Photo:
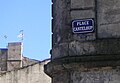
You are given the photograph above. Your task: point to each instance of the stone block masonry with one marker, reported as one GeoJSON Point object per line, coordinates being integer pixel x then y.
{"type": "Point", "coordinates": [64, 12]}
{"type": "Point", "coordinates": [108, 17]}
{"type": "Point", "coordinates": [105, 17]}
{"type": "Point", "coordinates": [14, 58]}
{"type": "Point", "coordinates": [92, 57]}
{"type": "Point", "coordinates": [11, 57]}
{"type": "Point", "coordinates": [11, 71]}
{"type": "Point", "coordinates": [30, 74]}
{"type": "Point", "coordinates": [3, 59]}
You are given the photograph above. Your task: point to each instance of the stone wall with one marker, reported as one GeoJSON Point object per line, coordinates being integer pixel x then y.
{"type": "Point", "coordinates": [27, 61]}
{"type": "Point", "coordinates": [84, 72]}
{"type": "Point", "coordinates": [96, 75]}
{"type": "Point", "coordinates": [3, 59]}
{"type": "Point", "coordinates": [108, 17]}
{"type": "Point", "coordinates": [90, 57]}
{"type": "Point", "coordinates": [105, 15]}
{"type": "Point", "coordinates": [29, 74]}
{"type": "Point", "coordinates": [14, 58]}
{"type": "Point", "coordinates": [11, 58]}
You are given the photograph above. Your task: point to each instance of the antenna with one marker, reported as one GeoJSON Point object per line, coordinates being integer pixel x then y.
{"type": "Point", "coordinates": [21, 36]}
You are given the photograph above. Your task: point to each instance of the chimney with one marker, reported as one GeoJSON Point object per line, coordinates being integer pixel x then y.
{"type": "Point", "coordinates": [14, 58]}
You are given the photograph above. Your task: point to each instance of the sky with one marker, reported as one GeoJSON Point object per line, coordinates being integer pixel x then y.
{"type": "Point", "coordinates": [34, 18]}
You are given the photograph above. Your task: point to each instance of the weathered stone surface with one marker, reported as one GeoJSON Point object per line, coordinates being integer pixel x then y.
{"type": "Point", "coordinates": [82, 3]}
{"type": "Point", "coordinates": [13, 65]}
{"type": "Point", "coordinates": [82, 14]}
{"type": "Point", "coordinates": [27, 61]}
{"type": "Point", "coordinates": [60, 51]}
{"type": "Point", "coordinates": [30, 74]}
{"type": "Point", "coordinates": [10, 58]}
{"type": "Point", "coordinates": [81, 48]}
{"type": "Point", "coordinates": [98, 47]}
{"type": "Point", "coordinates": [14, 51]}
{"type": "Point", "coordinates": [78, 73]}
{"type": "Point", "coordinates": [14, 58]}
{"type": "Point", "coordinates": [108, 46]}
{"type": "Point", "coordinates": [3, 59]}
{"type": "Point", "coordinates": [89, 57]}
{"type": "Point", "coordinates": [59, 78]}
{"type": "Point", "coordinates": [96, 76]}
{"type": "Point", "coordinates": [81, 10]}
{"type": "Point", "coordinates": [108, 18]}
{"type": "Point", "coordinates": [83, 37]}
{"type": "Point", "coordinates": [84, 44]}
{"type": "Point", "coordinates": [60, 22]}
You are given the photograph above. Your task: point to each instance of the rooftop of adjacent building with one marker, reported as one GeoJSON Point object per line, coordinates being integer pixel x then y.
{"type": "Point", "coordinates": [14, 43]}
{"type": "Point", "coordinates": [11, 60]}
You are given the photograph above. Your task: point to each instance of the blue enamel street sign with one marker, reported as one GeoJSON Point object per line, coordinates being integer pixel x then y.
{"type": "Point", "coordinates": [83, 26]}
